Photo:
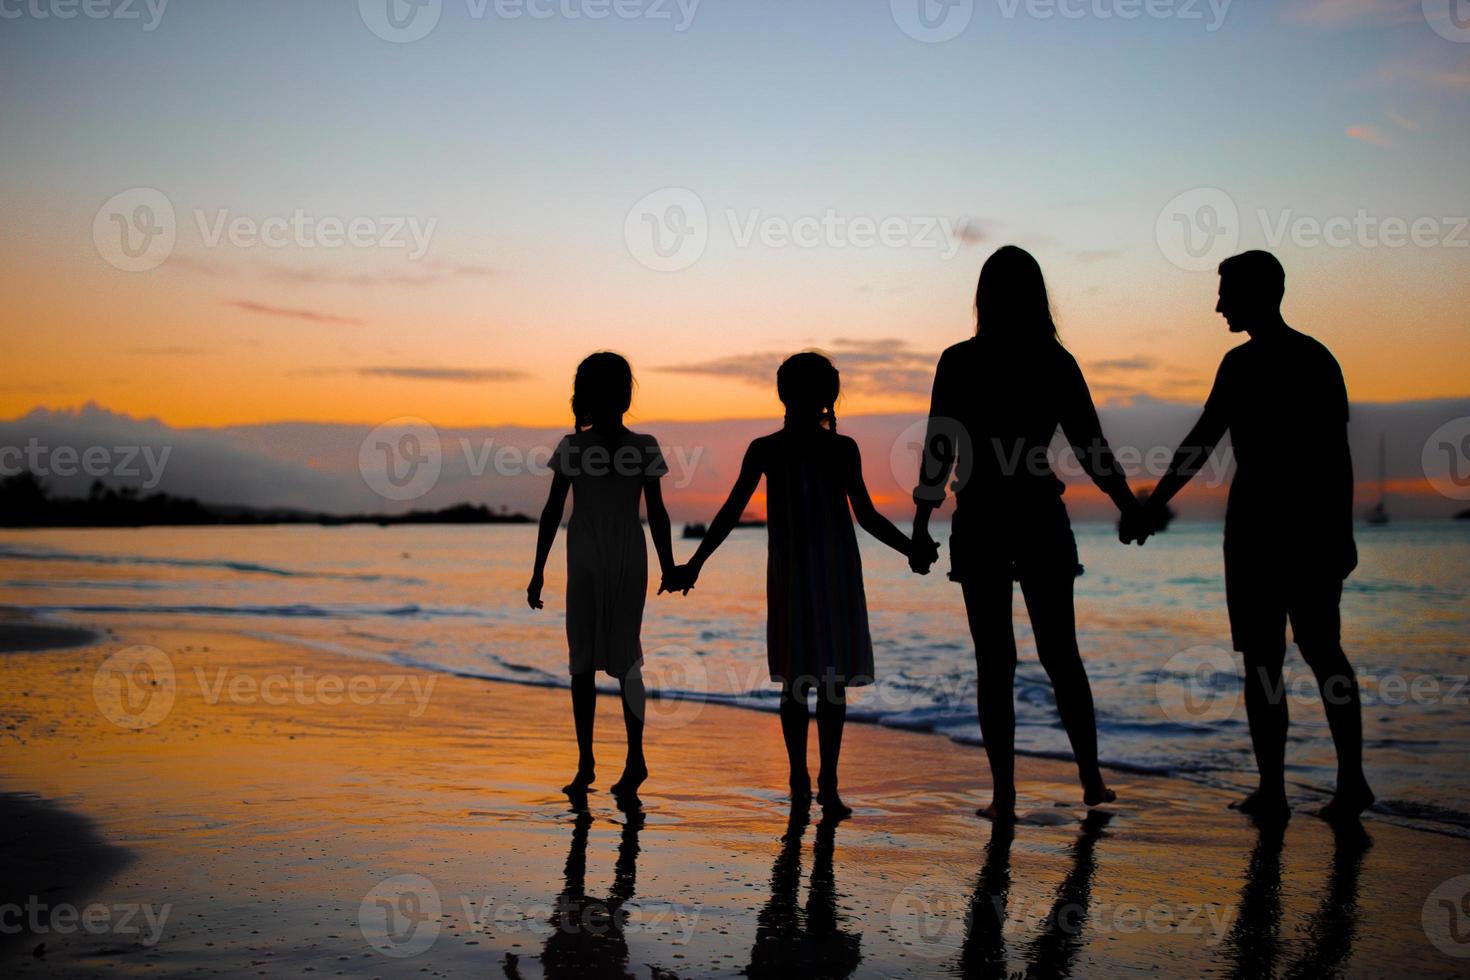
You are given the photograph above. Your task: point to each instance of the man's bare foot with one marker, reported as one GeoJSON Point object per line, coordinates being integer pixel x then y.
{"type": "Point", "coordinates": [1348, 803]}
{"type": "Point", "coordinates": [633, 776]}
{"type": "Point", "coordinates": [1264, 806]}
{"type": "Point", "coordinates": [832, 805]}
{"type": "Point", "coordinates": [1098, 794]}
{"type": "Point", "coordinates": [801, 789]}
{"type": "Point", "coordinates": [1000, 811]}
{"type": "Point", "coordinates": [581, 782]}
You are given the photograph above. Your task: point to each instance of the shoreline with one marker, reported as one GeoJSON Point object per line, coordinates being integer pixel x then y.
{"type": "Point", "coordinates": [18, 625]}
{"type": "Point", "coordinates": [264, 832]}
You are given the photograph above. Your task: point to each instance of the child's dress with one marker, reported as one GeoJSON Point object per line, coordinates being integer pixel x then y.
{"type": "Point", "coordinates": [817, 619]}
{"type": "Point", "coordinates": [607, 553]}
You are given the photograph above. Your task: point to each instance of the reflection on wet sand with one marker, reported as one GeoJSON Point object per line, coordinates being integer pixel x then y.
{"type": "Point", "coordinates": [586, 938]}
{"type": "Point", "coordinates": [1254, 941]}
{"type": "Point", "coordinates": [1053, 953]}
{"type": "Point", "coordinates": [810, 942]}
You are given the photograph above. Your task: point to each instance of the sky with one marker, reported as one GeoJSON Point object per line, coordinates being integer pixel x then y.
{"type": "Point", "coordinates": [705, 188]}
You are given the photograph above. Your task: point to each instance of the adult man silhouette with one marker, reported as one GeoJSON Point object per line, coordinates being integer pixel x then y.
{"type": "Point", "coordinates": [1288, 524]}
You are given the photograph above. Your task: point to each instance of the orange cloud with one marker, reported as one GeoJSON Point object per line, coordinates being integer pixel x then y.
{"type": "Point", "coordinates": [1368, 134]}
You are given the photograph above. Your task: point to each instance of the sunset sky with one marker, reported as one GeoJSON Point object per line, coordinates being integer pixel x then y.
{"type": "Point", "coordinates": [522, 148]}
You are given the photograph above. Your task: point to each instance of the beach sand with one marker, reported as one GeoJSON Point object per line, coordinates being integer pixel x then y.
{"type": "Point", "coordinates": [249, 807]}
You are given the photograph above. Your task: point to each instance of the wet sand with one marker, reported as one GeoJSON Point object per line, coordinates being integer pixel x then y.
{"type": "Point", "coordinates": [244, 806]}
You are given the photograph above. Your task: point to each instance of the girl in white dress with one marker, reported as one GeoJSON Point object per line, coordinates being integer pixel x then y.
{"type": "Point", "coordinates": [609, 470]}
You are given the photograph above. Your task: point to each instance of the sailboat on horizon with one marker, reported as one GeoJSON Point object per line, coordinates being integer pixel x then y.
{"type": "Point", "coordinates": [1378, 514]}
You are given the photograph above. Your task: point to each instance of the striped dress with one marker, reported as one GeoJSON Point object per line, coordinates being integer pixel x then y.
{"type": "Point", "coordinates": [817, 618]}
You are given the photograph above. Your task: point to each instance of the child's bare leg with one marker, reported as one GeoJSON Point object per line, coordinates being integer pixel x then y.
{"type": "Point", "coordinates": [793, 729]}
{"type": "Point", "coordinates": [584, 714]}
{"type": "Point", "coordinates": [635, 769]}
{"type": "Point", "coordinates": [831, 717]}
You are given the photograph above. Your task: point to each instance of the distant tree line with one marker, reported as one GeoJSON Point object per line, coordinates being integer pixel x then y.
{"type": "Point", "coordinates": [26, 502]}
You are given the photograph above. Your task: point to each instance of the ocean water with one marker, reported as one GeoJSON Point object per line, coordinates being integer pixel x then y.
{"type": "Point", "coordinates": [1151, 624]}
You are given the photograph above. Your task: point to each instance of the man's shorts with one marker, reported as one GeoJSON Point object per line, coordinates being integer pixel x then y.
{"type": "Point", "coordinates": [1263, 591]}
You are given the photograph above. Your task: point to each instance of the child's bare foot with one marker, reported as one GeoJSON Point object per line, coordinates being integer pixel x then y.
{"type": "Point", "coordinates": [1348, 803]}
{"type": "Point", "coordinates": [634, 773]}
{"type": "Point", "coordinates": [999, 811]}
{"type": "Point", "coordinates": [832, 805]}
{"type": "Point", "coordinates": [1098, 794]}
{"type": "Point", "coordinates": [580, 783]}
{"type": "Point", "coordinates": [1265, 806]}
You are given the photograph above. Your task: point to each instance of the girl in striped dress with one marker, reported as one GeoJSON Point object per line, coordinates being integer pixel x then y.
{"type": "Point", "coordinates": [817, 621]}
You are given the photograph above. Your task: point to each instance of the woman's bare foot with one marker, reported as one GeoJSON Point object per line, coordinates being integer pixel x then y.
{"type": "Point", "coordinates": [1348, 803]}
{"type": "Point", "coordinates": [1098, 794]}
{"type": "Point", "coordinates": [832, 805]}
{"type": "Point", "coordinates": [581, 782]}
{"type": "Point", "coordinates": [999, 810]}
{"type": "Point", "coordinates": [1265, 806]}
{"type": "Point", "coordinates": [634, 773]}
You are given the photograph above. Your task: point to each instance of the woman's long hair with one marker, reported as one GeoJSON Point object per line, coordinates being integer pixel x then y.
{"type": "Point", "coordinates": [1011, 304]}
{"type": "Point", "coordinates": [808, 385]}
{"type": "Point", "coordinates": [602, 391]}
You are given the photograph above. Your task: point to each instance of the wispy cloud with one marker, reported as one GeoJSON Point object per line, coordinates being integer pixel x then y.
{"type": "Point", "coordinates": [1401, 121]}
{"type": "Point", "coordinates": [165, 351]}
{"type": "Point", "coordinates": [1367, 134]}
{"type": "Point", "coordinates": [461, 375]}
{"type": "Point", "coordinates": [428, 273]}
{"type": "Point", "coordinates": [1090, 255]}
{"type": "Point", "coordinates": [886, 366]}
{"type": "Point", "coordinates": [292, 313]}
{"type": "Point", "coordinates": [1334, 12]}
{"type": "Point", "coordinates": [1430, 69]}
{"type": "Point", "coordinates": [1123, 364]}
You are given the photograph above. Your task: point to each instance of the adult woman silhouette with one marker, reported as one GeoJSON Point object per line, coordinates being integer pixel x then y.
{"type": "Point", "coordinates": [998, 400]}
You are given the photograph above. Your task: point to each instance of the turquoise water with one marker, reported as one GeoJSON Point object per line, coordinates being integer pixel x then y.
{"type": "Point", "coordinates": [1152, 627]}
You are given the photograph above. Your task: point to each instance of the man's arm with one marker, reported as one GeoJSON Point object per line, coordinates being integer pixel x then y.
{"type": "Point", "coordinates": [1197, 446]}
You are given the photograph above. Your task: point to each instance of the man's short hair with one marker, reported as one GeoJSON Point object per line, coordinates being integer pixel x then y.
{"type": "Point", "coordinates": [1260, 272]}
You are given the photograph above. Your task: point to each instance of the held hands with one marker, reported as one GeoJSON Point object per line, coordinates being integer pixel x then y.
{"type": "Point", "coordinates": [681, 578]}
{"type": "Point", "coordinates": [923, 553]}
{"type": "Point", "coordinates": [1137, 523]}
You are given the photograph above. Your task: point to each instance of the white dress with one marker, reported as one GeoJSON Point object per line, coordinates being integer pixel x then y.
{"type": "Point", "coordinates": [607, 552]}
